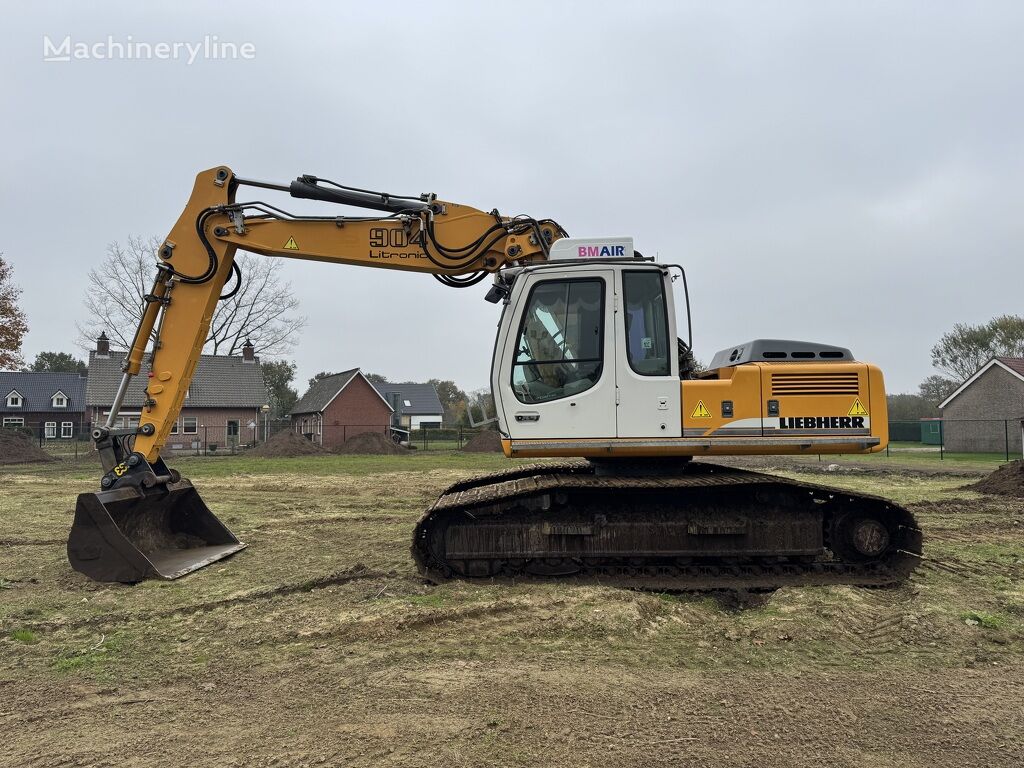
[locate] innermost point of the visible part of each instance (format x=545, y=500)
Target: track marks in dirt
x=31, y=542
x=974, y=569
x=355, y=573
x=879, y=621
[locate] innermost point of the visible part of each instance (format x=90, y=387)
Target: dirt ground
x=318, y=645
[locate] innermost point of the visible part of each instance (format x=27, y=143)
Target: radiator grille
x=815, y=384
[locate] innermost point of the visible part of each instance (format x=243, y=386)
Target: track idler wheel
x=859, y=537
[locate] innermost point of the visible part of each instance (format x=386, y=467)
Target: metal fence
x=332, y=436
x=235, y=438
x=994, y=437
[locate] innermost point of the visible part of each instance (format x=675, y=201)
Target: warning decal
x=857, y=409
x=700, y=412
x=291, y=245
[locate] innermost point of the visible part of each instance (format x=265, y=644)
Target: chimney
x=248, y=352
x=103, y=345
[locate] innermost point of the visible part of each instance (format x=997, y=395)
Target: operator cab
x=586, y=346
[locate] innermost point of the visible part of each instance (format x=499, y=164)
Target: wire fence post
x=1006, y=437
x=942, y=439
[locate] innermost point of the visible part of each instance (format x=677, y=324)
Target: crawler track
x=704, y=527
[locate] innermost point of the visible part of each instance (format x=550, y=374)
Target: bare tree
x=262, y=311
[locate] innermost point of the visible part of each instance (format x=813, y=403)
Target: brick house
x=416, y=406
x=52, y=405
x=341, y=406
x=222, y=406
x=985, y=411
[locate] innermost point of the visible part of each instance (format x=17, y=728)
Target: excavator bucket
x=129, y=534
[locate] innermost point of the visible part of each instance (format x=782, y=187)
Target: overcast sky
x=849, y=173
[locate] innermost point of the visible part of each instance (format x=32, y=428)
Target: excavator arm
x=457, y=244
x=146, y=520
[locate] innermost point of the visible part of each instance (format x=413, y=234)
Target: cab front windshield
x=559, y=351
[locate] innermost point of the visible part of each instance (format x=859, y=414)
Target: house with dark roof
x=416, y=406
x=52, y=405
x=222, y=406
x=338, y=407
x=983, y=414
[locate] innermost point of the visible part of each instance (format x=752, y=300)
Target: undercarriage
x=698, y=526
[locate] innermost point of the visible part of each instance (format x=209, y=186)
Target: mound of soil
x=286, y=444
x=371, y=443
x=486, y=442
x=16, y=448
x=1008, y=480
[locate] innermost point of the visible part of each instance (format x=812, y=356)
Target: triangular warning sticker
x=700, y=412
x=290, y=245
x=857, y=409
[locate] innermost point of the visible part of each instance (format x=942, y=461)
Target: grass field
x=320, y=646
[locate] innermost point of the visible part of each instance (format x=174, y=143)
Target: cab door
x=556, y=377
x=647, y=363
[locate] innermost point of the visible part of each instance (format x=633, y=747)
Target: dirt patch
x=823, y=466
x=372, y=444
x=16, y=448
x=485, y=442
x=1008, y=480
x=321, y=645
x=285, y=444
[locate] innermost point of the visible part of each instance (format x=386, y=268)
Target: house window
x=14, y=400
x=14, y=421
x=51, y=429
x=190, y=425
x=174, y=428
x=67, y=429
x=233, y=431
x=59, y=400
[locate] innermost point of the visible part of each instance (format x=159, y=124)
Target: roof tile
x=422, y=398
x=1014, y=363
x=323, y=391
x=38, y=389
x=220, y=381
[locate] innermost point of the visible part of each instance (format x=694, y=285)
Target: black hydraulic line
x=238, y=282
x=211, y=270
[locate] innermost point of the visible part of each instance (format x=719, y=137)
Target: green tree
x=910, y=407
x=936, y=388
x=374, y=378
x=59, y=362
x=453, y=400
x=278, y=376
x=319, y=376
x=13, y=325
x=481, y=403
x=966, y=348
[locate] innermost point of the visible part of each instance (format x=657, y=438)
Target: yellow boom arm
x=456, y=243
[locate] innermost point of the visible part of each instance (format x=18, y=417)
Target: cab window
x=646, y=323
x=561, y=340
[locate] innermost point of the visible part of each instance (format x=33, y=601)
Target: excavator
x=588, y=369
